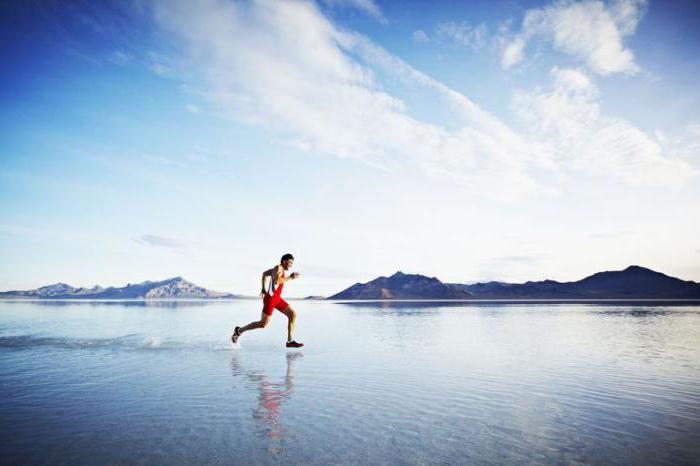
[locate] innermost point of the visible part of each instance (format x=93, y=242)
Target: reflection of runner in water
x=272, y=299
x=272, y=394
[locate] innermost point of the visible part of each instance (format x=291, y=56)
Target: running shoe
x=294, y=344
x=236, y=334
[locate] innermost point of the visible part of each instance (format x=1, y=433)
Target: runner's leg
x=262, y=323
x=267, y=310
x=292, y=316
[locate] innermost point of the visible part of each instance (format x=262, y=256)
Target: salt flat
x=479, y=383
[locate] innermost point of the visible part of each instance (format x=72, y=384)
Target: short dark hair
x=285, y=257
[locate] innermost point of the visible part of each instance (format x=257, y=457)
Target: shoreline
x=352, y=301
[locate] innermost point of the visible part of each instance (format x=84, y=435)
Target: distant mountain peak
x=175, y=287
x=632, y=272
x=400, y=275
x=56, y=287
x=638, y=268
x=402, y=286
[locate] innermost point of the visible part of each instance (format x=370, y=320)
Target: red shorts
x=272, y=302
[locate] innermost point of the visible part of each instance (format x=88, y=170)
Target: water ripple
x=126, y=342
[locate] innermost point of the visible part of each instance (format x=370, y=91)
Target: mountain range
x=634, y=282
x=176, y=287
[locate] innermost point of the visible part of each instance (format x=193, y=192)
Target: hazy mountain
x=176, y=287
x=632, y=282
x=402, y=286
x=636, y=281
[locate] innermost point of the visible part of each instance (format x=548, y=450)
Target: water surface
x=449, y=383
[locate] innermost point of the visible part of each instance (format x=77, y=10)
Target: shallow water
x=128, y=383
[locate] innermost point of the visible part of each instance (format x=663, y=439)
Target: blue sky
x=469, y=141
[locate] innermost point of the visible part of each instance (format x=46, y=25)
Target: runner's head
x=287, y=261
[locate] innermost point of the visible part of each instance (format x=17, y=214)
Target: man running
x=272, y=300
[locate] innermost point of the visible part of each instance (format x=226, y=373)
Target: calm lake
x=452, y=383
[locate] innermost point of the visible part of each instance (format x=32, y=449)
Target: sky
x=470, y=141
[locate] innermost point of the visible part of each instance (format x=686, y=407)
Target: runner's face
x=287, y=263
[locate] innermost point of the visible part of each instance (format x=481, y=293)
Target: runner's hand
x=295, y=275
x=262, y=293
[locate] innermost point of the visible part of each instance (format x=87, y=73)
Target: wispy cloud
x=160, y=69
x=367, y=6
x=161, y=241
x=420, y=36
x=193, y=109
x=568, y=116
x=591, y=31
x=323, y=69
x=462, y=33
x=121, y=58
x=513, y=52
x=82, y=27
x=297, y=94
x=684, y=143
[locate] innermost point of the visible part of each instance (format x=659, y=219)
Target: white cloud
x=460, y=33
x=283, y=65
x=568, y=117
x=591, y=31
x=420, y=36
x=684, y=143
x=513, y=53
x=463, y=34
x=627, y=14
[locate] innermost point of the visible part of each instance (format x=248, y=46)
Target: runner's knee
x=263, y=323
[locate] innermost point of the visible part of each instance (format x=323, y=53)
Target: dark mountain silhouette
x=630, y=283
x=402, y=286
x=176, y=287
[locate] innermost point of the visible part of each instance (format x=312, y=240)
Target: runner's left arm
x=282, y=279
x=267, y=273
